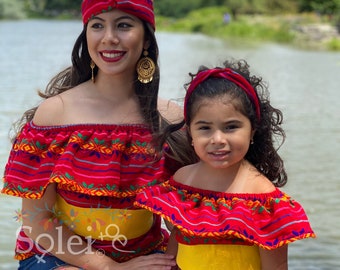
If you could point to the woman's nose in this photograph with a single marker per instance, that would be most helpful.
(110, 36)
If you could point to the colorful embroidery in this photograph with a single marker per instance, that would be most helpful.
(84, 159)
(94, 167)
(268, 220)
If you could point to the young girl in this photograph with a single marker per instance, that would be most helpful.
(80, 157)
(227, 209)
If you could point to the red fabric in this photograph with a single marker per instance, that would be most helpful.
(268, 220)
(94, 166)
(231, 76)
(96, 160)
(142, 9)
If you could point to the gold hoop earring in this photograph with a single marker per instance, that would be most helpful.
(92, 66)
(145, 68)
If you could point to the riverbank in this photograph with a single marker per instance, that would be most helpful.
(304, 31)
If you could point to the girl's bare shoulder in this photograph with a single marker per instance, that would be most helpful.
(185, 174)
(260, 184)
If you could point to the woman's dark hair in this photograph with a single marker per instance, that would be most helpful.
(269, 135)
(80, 72)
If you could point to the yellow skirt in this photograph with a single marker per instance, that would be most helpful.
(104, 223)
(214, 257)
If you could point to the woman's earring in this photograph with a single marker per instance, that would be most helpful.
(92, 65)
(251, 141)
(145, 68)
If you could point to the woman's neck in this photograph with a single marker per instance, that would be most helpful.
(115, 88)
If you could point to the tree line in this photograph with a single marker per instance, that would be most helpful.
(174, 8)
(179, 8)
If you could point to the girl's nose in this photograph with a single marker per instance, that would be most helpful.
(218, 138)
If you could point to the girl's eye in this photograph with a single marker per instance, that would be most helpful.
(231, 127)
(203, 128)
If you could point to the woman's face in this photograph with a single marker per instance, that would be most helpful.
(115, 42)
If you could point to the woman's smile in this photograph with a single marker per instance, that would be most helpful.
(112, 56)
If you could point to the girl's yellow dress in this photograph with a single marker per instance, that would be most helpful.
(219, 230)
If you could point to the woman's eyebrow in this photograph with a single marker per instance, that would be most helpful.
(117, 19)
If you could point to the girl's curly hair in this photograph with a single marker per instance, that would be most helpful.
(269, 135)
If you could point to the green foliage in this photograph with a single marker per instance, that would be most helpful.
(201, 20)
(60, 5)
(334, 44)
(278, 6)
(52, 8)
(11, 9)
(180, 8)
(176, 8)
(209, 21)
(330, 7)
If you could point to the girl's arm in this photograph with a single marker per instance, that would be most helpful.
(172, 247)
(172, 244)
(41, 226)
(274, 259)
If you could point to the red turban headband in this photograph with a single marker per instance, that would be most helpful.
(143, 9)
(231, 76)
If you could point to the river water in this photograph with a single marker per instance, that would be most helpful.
(304, 84)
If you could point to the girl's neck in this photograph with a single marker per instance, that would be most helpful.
(232, 179)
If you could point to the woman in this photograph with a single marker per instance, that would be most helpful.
(83, 154)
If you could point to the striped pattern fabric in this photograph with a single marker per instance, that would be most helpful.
(97, 160)
(267, 220)
(94, 166)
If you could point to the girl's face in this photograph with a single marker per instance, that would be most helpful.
(115, 42)
(220, 134)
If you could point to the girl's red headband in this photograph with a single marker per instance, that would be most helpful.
(142, 9)
(231, 76)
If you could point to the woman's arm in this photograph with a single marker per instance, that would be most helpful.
(274, 259)
(41, 226)
(170, 110)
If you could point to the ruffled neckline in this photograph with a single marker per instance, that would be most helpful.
(276, 193)
(73, 127)
(268, 220)
(92, 159)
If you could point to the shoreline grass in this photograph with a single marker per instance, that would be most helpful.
(282, 28)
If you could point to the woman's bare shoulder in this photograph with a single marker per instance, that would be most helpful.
(56, 110)
(49, 112)
(170, 110)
